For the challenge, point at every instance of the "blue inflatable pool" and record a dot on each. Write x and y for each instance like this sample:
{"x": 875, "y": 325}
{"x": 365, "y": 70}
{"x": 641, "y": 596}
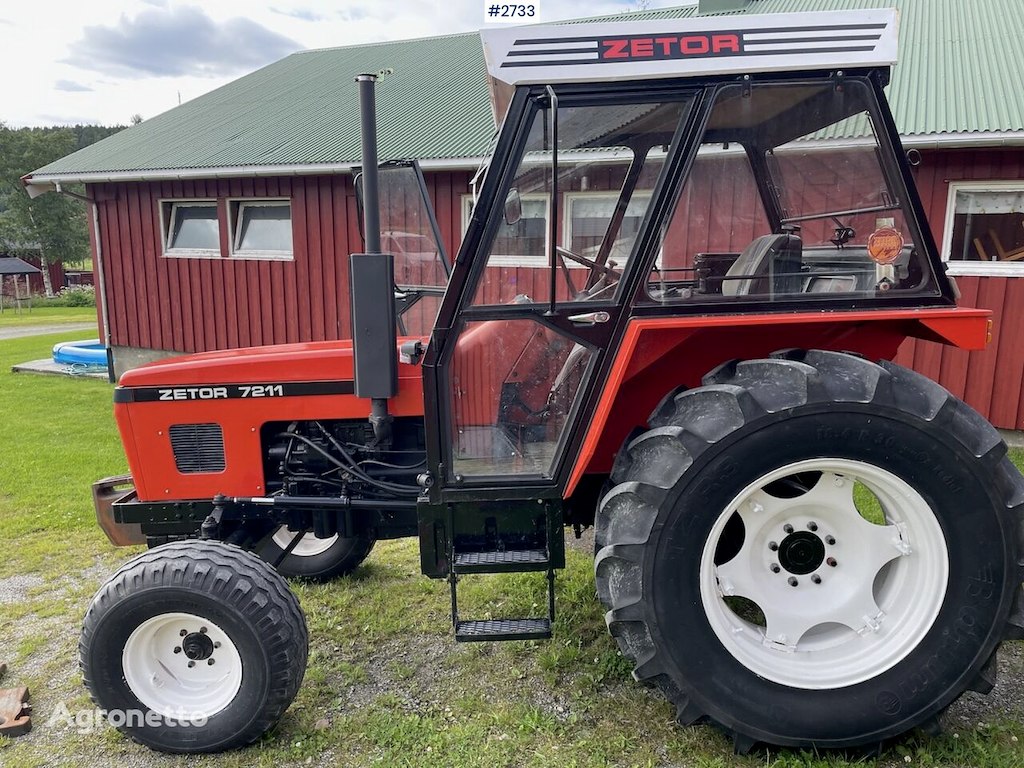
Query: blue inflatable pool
{"x": 90, "y": 352}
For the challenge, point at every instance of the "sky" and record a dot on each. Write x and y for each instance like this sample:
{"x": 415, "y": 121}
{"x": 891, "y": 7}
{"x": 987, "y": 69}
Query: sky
{"x": 67, "y": 61}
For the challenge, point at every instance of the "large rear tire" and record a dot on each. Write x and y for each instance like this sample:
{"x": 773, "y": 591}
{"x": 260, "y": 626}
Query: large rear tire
{"x": 316, "y": 559}
{"x": 813, "y": 551}
{"x": 194, "y": 646}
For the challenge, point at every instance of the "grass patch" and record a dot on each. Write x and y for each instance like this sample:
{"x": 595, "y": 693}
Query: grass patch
{"x": 47, "y": 316}
{"x": 386, "y": 685}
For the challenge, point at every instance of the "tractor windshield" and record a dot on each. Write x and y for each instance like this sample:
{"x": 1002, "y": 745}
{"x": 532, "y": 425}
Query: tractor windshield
{"x": 596, "y": 185}
{"x": 409, "y": 232}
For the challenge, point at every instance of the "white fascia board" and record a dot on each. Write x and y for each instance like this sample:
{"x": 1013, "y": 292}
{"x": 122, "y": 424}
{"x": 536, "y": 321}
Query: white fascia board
{"x": 964, "y": 139}
{"x": 37, "y": 184}
{"x": 691, "y": 47}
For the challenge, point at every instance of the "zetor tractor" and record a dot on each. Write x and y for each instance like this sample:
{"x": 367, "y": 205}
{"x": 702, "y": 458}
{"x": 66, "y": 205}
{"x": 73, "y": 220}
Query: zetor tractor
{"x": 695, "y": 250}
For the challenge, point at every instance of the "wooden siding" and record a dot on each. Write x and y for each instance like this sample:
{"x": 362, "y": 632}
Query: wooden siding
{"x": 199, "y": 304}
{"x": 989, "y": 380}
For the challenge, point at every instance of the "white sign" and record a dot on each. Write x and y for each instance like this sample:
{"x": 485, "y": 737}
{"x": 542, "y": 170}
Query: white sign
{"x": 690, "y": 47}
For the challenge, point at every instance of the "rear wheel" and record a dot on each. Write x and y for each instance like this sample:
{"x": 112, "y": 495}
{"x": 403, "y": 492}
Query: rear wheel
{"x": 815, "y": 551}
{"x": 194, "y": 646}
{"x": 317, "y": 559}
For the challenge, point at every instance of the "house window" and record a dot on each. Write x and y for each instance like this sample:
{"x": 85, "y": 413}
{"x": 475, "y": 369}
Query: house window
{"x": 985, "y": 228}
{"x": 588, "y": 215}
{"x": 518, "y": 245}
{"x": 191, "y": 227}
{"x": 261, "y": 229}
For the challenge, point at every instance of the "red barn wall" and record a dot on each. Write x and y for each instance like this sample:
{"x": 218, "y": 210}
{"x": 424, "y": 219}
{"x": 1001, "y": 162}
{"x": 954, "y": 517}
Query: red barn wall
{"x": 196, "y": 304}
{"x": 989, "y": 380}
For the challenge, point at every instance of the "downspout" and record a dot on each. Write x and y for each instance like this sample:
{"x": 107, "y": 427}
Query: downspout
{"x": 102, "y": 287}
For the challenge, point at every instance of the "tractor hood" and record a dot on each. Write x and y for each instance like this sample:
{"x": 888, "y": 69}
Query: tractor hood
{"x": 310, "y": 361}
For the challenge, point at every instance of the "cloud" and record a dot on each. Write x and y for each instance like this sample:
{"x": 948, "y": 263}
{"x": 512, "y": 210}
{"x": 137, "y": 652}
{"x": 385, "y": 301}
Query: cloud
{"x": 304, "y": 14}
{"x": 71, "y": 86}
{"x": 178, "y": 41}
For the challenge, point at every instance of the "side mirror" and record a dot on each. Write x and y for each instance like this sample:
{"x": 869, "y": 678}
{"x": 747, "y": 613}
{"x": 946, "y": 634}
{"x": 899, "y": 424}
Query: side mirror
{"x": 513, "y": 207}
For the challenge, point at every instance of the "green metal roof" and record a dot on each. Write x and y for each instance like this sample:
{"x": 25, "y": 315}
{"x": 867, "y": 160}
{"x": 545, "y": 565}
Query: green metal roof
{"x": 959, "y": 74}
{"x": 304, "y": 110}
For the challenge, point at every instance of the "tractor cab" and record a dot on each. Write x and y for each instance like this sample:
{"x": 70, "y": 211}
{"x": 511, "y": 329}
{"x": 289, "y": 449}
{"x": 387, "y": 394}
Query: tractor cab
{"x": 641, "y": 178}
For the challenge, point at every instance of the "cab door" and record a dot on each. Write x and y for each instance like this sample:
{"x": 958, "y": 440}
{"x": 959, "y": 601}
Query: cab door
{"x": 534, "y": 300}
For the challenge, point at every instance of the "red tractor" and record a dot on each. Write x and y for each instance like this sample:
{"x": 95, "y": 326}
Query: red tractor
{"x": 796, "y": 539}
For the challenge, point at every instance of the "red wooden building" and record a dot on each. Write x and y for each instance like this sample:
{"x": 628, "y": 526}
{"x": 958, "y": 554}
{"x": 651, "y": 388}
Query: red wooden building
{"x": 227, "y": 222}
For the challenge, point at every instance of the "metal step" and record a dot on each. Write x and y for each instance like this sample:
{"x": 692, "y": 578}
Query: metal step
{"x": 506, "y": 561}
{"x": 502, "y": 629}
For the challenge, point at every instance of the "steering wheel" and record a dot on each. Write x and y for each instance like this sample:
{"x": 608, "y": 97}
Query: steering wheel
{"x": 609, "y": 275}
{"x": 602, "y": 268}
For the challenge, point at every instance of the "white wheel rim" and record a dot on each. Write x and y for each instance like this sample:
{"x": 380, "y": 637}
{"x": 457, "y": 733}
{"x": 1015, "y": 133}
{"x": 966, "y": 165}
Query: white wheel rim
{"x": 308, "y": 546}
{"x": 839, "y": 625}
{"x": 159, "y": 671}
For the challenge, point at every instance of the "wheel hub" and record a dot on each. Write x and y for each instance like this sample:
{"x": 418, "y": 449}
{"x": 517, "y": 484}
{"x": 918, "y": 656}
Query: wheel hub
{"x": 197, "y": 646}
{"x": 801, "y": 553}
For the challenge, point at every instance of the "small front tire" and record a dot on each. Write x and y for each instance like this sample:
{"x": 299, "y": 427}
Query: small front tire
{"x": 194, "y": 646}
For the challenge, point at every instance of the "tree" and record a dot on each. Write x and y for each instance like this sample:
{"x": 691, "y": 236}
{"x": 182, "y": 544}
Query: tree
{"x": 51, "y": 226}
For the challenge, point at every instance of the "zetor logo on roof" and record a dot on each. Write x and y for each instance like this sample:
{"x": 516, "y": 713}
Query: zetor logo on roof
{"x": 660, "y": 47}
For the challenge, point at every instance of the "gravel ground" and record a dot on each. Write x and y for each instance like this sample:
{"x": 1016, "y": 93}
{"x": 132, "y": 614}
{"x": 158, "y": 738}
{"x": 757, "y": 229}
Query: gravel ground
{"x": 17, "y": 332}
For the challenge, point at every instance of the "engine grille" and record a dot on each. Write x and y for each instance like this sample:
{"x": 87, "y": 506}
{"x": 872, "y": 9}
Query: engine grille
{"x": 198, "y": 447}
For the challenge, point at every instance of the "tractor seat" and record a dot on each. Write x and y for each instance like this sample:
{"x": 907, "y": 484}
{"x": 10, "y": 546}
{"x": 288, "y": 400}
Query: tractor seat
{"x": 769, "y": 265}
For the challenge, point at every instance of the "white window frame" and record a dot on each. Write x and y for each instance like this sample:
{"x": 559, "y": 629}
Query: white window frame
{"x": 508, "y": 260}
{"x": 612, "y": 195}
{"x": 168, "y": 208}
{"x": 990, "y": 268}
{"x": 235, "y": 207}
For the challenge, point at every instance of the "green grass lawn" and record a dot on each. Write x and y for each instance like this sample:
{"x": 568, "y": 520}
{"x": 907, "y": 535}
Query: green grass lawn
{"x": 386, "y": 685}
{"x": 46, "y": 316}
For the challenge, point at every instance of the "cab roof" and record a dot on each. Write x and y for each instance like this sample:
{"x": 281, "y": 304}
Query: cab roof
{"x": 691, "y": 47}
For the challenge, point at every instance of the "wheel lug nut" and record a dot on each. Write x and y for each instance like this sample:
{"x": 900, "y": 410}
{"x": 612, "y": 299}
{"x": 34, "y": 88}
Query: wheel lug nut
{"x": 191, "y": 664}
{"x": 773, "y": 546}
{"x": 183, "y": 632}
{"x": 830, "y": 540}
{"x": 812, "y": 526}
{"x": 775, "y": 567}
{"x": 216, "y": 645}
{"x": 816, "y": 579}
{"x": 177, "y": 649}
{"x": 210, "y": 661}
{"x": 792, "y": 581}
{"x": 787, "y": 528}
{"x": 832, "y": 562}
{"x": 202, "y": 630}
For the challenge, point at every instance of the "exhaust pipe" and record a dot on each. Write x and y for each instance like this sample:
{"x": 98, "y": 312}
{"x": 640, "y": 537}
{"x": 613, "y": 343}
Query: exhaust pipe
{"x": 372, "y": 286}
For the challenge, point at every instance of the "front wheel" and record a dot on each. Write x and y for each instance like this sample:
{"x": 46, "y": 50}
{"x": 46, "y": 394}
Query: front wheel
{"x": 317, "y": 559}
{"x": 194, "y": 646}
{"x": 813, "y": 551}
